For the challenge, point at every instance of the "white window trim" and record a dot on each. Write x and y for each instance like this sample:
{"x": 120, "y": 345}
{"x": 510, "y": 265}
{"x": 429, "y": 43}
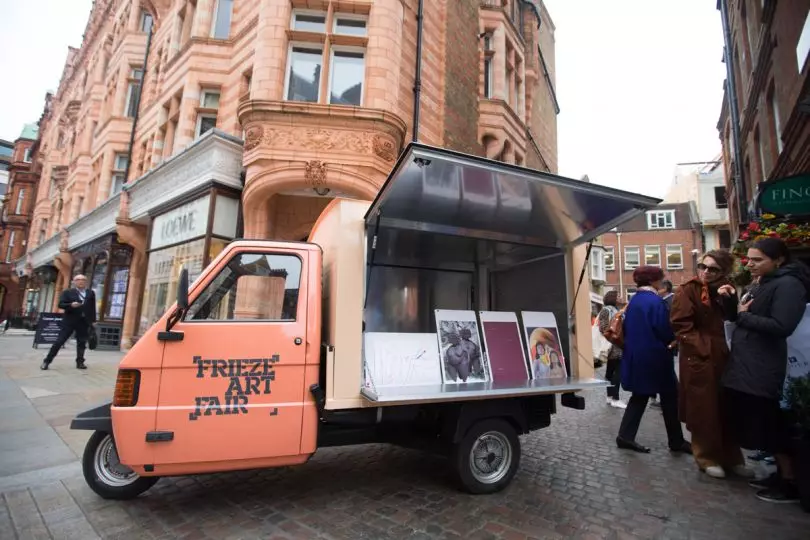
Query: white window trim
{"x": 20, "y": 201}
{"x": 198, "y": 125}
{"x": 332, "y": 51}
{"x": 673, "y": 247}
{"x": 10, "y": 247}
{"x": 348, "y": 17}
{"x": 654, "y": 226}
{"x": 214, "y": 21}
{"x": 288, "y": 75}
{"x": 628, "y": 295}
{"x": 638, "y": 251}
{"x": 206, "y": 91}
{"x": 27, "y": 155}
{"x": 598, "y": 265}
{"x": 612, "y": 250}
{"x": 652, "y": 249}
{"x": 314, "y": 12}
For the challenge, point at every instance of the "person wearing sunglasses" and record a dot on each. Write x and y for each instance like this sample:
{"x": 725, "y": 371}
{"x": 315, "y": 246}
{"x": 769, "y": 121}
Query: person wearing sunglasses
{"x": 698, "y": 315}
{"x": 754, "y": 378}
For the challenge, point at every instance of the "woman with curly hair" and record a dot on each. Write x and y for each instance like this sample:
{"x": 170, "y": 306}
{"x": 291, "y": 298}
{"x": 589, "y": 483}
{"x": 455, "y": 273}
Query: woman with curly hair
{"x": 648, "y": 364}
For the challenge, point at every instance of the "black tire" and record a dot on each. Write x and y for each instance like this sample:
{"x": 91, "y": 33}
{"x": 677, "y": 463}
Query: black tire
{"x": 472, "y": 473}
{"x": 110, "y": 480}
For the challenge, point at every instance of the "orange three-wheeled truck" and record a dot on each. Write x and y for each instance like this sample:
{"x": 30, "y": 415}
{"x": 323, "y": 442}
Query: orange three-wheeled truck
{"x": 269, "y": 338}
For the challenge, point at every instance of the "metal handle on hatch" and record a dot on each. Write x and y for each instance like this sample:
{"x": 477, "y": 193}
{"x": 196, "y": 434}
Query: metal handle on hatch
{"x": 298, "y": 341}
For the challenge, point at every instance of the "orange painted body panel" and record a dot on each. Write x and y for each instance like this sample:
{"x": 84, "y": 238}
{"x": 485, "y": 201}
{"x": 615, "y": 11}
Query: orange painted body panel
{"x": 234, "y": 393}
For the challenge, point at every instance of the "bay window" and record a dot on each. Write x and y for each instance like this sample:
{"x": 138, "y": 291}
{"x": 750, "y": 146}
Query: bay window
{"x": 335, "y": 49}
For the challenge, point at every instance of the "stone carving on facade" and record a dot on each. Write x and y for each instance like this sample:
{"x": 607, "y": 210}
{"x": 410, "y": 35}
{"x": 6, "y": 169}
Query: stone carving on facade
{"x": 383, "y": 145}
{"x": 315, "y": 176}
{"x": 253, "y": 137}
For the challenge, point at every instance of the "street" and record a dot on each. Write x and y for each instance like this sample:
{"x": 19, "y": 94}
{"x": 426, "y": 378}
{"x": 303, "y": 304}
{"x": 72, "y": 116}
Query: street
{"x": 572, "y": 483}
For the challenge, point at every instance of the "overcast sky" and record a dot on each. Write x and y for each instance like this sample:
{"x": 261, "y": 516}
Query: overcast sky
{"x": 640, "y": 85}
{"x": 639, "y": 82}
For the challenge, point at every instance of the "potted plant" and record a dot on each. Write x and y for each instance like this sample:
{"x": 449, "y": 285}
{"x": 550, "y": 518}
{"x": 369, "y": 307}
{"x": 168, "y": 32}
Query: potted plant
{"x": 798, "y": 401}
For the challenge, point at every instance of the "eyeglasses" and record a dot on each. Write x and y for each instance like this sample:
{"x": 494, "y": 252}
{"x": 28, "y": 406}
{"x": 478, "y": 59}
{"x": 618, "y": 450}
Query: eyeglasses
{"x": 709, "y": 269}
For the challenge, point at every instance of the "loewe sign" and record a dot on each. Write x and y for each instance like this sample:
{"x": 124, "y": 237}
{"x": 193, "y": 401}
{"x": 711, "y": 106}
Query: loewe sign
{"x": 789, "y": 195}
{"x": 181, "y": 224}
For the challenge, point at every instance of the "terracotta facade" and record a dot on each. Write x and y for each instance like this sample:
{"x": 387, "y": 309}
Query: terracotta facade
{"x": 299, "y": 100}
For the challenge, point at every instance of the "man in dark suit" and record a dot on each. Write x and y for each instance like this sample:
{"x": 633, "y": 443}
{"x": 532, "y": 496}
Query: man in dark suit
{"x": 79, "y": 305}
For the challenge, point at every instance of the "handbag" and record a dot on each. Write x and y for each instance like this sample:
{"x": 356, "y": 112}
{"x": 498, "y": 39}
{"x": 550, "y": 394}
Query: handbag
{"x": 92, "y": 338}
{"x": 615, "y": 330}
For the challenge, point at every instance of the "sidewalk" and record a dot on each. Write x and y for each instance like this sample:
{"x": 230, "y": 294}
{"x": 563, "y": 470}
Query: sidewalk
{"x": 38, "y": 406}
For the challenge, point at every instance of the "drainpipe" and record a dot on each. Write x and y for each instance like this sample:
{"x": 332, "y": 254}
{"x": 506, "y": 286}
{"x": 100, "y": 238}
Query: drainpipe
{"x": 733, "y": 105}
{"x": 138, "y": 101}
{"x": 417, "y": 84}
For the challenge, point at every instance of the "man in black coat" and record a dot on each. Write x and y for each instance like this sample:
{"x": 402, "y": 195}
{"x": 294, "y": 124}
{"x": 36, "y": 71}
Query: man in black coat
{"x": 79, "y": 305}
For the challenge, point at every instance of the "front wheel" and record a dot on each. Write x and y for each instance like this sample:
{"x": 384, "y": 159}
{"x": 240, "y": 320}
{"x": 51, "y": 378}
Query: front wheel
{"x": 487, "y": 457}
{"x": 106, "y": 475}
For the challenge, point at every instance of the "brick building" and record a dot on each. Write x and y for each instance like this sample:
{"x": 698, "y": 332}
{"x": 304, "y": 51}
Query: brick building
{"x": 247, "y": 117}
{"x": 16, "y": 216}
{"x": 767, "y": 96}
{"x": 667, "y": 236}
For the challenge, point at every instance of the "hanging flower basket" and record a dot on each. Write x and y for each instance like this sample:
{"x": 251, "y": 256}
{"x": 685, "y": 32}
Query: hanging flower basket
{"x": 794, "y": 234}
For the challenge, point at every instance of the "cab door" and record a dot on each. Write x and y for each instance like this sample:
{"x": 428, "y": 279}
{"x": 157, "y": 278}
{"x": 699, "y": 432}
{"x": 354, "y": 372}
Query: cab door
{"x": 232, "y": 383}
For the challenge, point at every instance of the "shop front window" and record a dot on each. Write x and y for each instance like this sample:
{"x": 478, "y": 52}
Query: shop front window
{"x": 162, "y": 276}
{"x": 118, "y": 293}
{"x": 97, "y": 283}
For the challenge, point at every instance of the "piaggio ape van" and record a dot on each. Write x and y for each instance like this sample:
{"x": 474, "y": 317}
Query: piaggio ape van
{"x": 261, "y": 360}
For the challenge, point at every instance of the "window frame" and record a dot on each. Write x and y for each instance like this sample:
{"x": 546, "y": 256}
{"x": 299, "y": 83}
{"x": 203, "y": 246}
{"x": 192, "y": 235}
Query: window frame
{"x": 117, "y": 172}
{"x": 598, "y": 271}
{"x": 132, "y": 82}
{"x": 612, "y": 251}
{"x": 667, "y": 250}
{"x": 297, "y": 320}
{"x": 652, "y": 248}
{"x": 638, "y": 257}
{"x": 653, "y": 224}
{"x": 27, "y": 154}
{"x": 18, "y": 207}
{"x": 347, "y": 49}
{"x": 10, "y": 246}
{"x": 310, "y": 12}
{"x": 349, "y": 17}
{"x": 198, "y": 124}
{"x": 215, "y": 19}
{"x": 288, "y": 76}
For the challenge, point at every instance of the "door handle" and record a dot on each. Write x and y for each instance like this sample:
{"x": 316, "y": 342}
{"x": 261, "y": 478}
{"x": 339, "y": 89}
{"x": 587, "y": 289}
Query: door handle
{"x": 298, "y": 341}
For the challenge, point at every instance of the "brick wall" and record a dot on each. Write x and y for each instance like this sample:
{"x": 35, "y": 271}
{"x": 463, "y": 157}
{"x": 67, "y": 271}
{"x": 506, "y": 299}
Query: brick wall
{"x": 543, "y": 121}
{"x": 685, "y": 238}
{"x": 775, "y": 135}
{"x": 462, "y": 76}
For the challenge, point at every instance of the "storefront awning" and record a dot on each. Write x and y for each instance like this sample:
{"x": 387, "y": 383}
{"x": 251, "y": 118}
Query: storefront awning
{"x": 441, "y": 191}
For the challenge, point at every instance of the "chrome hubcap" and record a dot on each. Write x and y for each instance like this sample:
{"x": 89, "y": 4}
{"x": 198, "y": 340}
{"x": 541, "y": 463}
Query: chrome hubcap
{"x": 109, "y": 468}
{"x": 490, "y": 457}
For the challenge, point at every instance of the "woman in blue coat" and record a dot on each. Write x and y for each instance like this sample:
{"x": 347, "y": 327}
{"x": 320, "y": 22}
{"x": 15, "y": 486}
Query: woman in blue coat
{"x": 648, "y": 364}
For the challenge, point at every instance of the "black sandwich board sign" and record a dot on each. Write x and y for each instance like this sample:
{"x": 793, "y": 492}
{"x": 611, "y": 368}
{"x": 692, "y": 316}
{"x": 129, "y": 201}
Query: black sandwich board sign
{"x": 47, "y": 330}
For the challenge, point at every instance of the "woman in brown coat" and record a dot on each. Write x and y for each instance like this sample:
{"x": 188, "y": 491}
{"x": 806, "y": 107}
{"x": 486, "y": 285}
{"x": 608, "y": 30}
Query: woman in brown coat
{"x": 697, "y": 320}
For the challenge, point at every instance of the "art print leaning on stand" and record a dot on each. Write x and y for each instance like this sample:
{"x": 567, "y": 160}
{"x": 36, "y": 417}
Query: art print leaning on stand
{"x": 463, "y": 360}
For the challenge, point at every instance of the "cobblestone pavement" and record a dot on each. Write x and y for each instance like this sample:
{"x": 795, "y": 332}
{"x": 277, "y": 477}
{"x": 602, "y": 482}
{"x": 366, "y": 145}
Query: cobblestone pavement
{"x": 572, "y": 483}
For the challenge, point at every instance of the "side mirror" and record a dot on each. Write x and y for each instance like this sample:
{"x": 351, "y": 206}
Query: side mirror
{"x": 182, "y": 302}
{"x": 182, "y": 290}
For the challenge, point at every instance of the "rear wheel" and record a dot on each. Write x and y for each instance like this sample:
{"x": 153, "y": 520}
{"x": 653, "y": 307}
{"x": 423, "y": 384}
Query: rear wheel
{"x": 106, "y": 475}
{"x": 487, "y": 457}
